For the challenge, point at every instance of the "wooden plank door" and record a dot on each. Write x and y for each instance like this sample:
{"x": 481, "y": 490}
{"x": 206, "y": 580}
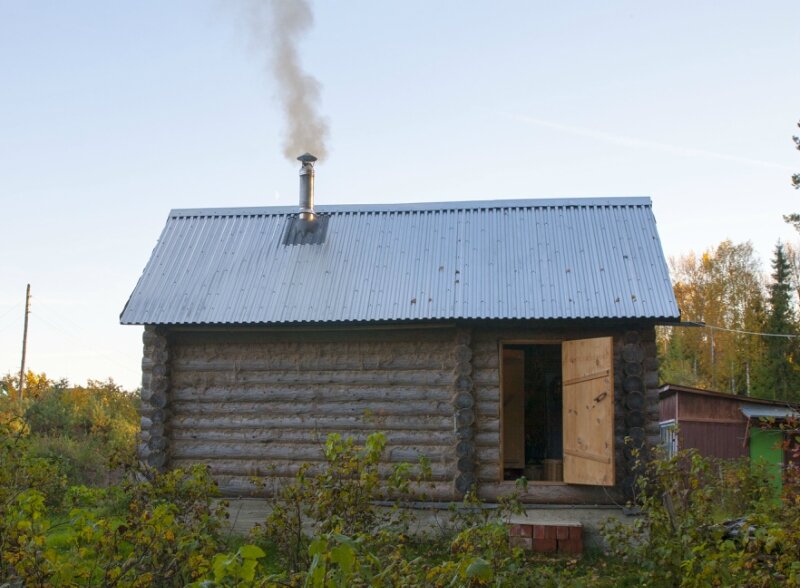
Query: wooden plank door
{"x": 513, "y": 417}
{"x": 588, "y": 402}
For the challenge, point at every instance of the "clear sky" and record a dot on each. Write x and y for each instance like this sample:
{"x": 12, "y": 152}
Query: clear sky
{"x": 112, "y": 113}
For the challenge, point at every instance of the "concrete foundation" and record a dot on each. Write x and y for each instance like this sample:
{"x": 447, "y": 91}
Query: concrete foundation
{"x": 436, "y": 517}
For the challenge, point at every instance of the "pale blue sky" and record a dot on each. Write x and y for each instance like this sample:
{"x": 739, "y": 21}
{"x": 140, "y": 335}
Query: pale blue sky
{"x": 112, "y": 113}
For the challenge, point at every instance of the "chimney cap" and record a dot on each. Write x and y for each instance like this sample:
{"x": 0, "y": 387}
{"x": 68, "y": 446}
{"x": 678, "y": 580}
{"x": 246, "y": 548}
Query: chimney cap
{"x": 307, "y": 158}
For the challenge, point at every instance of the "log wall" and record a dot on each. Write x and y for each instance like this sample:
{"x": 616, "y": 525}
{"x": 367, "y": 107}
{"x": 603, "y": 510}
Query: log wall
{"x": 251, "y": 403}
{"x": 254, "y": 403}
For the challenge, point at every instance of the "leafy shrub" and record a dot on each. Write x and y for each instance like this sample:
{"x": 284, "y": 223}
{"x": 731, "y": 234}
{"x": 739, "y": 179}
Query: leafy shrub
{"x": 85, "y": 432}
{"x": 168, "y": 535}
{"x": 708, "y": 522}
{"x": 338, "y": 499}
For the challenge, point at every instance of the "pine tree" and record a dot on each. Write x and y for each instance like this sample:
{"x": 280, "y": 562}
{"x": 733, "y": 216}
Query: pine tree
{"x": 781, "y": 379}
{"x": 796, "y": 177}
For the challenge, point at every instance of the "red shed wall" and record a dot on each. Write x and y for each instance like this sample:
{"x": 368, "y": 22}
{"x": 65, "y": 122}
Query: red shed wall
{"x": 724, "y": 440}
{"x": 714, "y": 408}
{"x": 667, "y": 408}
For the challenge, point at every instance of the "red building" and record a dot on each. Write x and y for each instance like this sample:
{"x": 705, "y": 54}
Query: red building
{"x": 723, "y": 425}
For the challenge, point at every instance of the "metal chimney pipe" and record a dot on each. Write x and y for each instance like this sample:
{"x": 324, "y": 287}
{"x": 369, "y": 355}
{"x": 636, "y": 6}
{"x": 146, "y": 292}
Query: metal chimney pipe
{"x": 307, "y": 186}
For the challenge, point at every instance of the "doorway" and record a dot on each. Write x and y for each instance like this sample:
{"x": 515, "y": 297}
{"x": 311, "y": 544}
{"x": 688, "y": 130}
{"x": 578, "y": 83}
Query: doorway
{"x": 532, "y": 412}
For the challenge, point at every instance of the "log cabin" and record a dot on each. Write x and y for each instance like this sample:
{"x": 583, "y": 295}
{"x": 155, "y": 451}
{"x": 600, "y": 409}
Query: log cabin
{"x": 499, "y": 339}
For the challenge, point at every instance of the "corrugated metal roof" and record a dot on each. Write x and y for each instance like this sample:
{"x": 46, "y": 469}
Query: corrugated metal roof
{"x": 766, "y": 412}
{"x": 508, "y": 259}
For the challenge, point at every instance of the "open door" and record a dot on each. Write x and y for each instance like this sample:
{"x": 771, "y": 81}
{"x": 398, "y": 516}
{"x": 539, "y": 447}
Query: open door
{"x": 588, "y": 381}
{"x": 513, "y": 417}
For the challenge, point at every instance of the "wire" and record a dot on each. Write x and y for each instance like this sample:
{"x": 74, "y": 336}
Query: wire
{"x": 742, "y": 332}
{"x": 784, "y": 335}
{"x": 59, "y": 328}
{"x": 14, "y": 307}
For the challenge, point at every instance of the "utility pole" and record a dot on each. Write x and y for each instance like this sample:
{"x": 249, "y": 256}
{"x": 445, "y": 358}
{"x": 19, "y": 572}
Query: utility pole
{"x": 24, "y": 342}
{"x": 713, "y": 362}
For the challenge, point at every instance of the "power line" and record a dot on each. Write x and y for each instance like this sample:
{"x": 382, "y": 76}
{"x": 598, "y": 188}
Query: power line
{"x": 10, "y": 310}
{"x": 53, "y": 324}
{"x": 758, "y": 334}
{"x": 742, "y": 332}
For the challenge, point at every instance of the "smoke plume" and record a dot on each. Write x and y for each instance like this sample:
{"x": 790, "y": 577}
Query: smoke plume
{"x": 277, "y": 26}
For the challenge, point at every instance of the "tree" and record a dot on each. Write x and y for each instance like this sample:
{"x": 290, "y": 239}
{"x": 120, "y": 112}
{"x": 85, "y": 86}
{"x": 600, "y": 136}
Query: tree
{"x": 796, "y": 177}
{"x": 794, "y": 218}
{"x": 781, "y": 378}
{"x": 793, "y": 257}
{"x": 722, "y": 288}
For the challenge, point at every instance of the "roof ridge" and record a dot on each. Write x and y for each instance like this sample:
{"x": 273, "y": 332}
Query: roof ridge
{"x": 618, "y": 201}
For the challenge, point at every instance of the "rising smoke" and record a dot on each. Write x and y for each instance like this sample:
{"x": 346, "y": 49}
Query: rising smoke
{"x": 277, "y": 26}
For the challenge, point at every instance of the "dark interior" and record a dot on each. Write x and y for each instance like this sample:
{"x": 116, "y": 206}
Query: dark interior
{"x": 543, "y": 426}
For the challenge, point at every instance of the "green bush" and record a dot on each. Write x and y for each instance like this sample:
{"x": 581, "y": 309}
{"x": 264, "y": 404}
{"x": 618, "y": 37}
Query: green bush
{"x": 26, "y": 484}
{"x": 707, "y": 522}
{"x": 338, "y": 499}
{"x": 168, "y": 535}
{"x": 85, "y": 432}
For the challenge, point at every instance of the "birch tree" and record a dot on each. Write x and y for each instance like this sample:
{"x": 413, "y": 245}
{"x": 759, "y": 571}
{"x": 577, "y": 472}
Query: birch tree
{"x": 724, "y": 289}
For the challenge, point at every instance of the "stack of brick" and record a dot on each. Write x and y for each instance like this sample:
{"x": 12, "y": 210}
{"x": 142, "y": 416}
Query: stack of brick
{"x": 566, "y": 538}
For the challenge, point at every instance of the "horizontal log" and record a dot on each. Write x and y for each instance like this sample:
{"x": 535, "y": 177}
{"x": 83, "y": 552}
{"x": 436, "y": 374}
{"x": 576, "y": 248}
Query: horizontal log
{"x": 243, "y": 340}
{"x": 490, "y": 361}
{"x": 313, "y": 377}
{"x": 288, "y": 469}
{"x": 488, "y": 408}
{"x": 237, "y": 409}
{"x": 267, "y": 435}
{"x": 292, "y": 451}
{"x": 488, "y": 423}
{"x": 486, "y": 377}
{"x": 488, "y": 471}
{"x": 552, "y": 493}
{"x": 312, "y": 422}
{"x": 241, "y": 486}
{"x": 485, "y": 438}
{"x": 487, "y": 393}
{"x": 488, "y": 456}
{"x": 384, "y": 358}
{"x": 482, "y": 347}
{"x": 326, "y": 392}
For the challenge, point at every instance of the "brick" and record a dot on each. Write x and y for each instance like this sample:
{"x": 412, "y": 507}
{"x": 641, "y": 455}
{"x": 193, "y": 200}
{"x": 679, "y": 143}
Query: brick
{"x": 521, "y": 531}
{"x": 549, "y": 532}
{"x": 576, "y": 532}
{"x": 545, "y": 545}
{"x": 538, "y": 531}
{"x": 570, "y": 546}
{"x": 525, "y": 543}
{"x": 562, "y": 532}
